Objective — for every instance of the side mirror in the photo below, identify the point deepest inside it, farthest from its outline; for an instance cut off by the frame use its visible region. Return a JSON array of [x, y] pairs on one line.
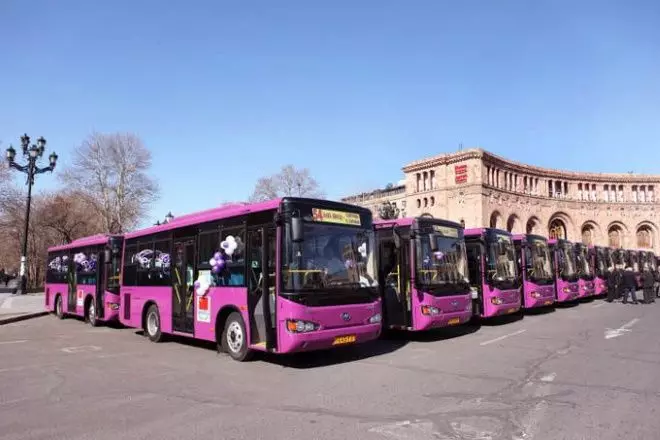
[[397, 237], [107, 256], [433, 241], [296, 229]]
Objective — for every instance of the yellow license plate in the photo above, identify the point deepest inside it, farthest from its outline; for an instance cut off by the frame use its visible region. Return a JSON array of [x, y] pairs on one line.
[[512, 310], [339, 340], [547, 303], [454, 321]]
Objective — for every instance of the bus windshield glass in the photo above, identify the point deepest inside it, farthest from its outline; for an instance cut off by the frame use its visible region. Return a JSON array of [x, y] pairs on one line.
[[444, 262], [540, 267], [584, 266], [501, 258], [568, 266], [329, 257]]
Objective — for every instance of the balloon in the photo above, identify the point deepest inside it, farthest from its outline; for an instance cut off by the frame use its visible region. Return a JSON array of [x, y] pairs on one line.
[[217, 256], [213, 262], [220, 263], [216, 269], [196, 285]]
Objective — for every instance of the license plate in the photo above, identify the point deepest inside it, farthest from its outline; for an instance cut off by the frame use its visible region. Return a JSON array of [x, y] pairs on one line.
[[454, 321], [547, 303], [512, 310], [339, 340]]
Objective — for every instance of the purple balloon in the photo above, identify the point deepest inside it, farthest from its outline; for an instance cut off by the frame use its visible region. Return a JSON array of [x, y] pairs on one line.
[[220, 263], [215, 269], [196, 285], [217, 256]]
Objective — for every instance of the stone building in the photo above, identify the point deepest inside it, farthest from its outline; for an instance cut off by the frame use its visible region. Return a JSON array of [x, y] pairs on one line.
[[478, 188]]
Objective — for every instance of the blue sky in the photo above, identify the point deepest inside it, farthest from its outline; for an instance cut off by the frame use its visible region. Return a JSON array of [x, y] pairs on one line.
[[224, 92]]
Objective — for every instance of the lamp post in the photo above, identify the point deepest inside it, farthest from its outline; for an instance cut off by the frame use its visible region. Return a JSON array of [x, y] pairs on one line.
[[32, 154], [169, 217]]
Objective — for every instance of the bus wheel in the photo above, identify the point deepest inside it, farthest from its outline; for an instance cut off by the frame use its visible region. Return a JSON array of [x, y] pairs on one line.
[[91, 314], [58, 307], [152, 324], [234, 338]]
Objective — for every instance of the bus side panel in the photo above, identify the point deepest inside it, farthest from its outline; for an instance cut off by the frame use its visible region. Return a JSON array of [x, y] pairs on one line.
[[139, 296], [52, 290], [208, 306], [82, 291]]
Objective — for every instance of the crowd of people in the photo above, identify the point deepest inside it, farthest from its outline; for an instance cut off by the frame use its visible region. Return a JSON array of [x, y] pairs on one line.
[[622, 283]]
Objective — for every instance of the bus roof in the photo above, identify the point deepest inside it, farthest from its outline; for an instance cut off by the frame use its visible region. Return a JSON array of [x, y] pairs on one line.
[[81, 242], [208, 215], [479, 231], [408, 221], [520, 237]]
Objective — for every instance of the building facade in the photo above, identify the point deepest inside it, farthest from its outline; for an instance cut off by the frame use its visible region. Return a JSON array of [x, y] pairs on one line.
[[478, 188]]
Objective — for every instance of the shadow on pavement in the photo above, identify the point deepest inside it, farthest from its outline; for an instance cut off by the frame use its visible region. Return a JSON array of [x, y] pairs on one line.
[[539, 311], [500, 320], [439, 334]]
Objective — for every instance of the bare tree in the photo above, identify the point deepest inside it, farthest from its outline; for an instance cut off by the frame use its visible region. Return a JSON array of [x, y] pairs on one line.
[[290, 181], [110, 171]]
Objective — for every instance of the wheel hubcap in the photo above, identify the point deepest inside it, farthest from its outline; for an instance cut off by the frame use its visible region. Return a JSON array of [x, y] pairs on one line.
[[152, 324], [92, 312], [235, 337], [58, 309]]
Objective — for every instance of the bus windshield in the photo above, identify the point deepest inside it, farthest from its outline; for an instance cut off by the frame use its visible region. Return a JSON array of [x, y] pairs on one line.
[[330, 256], [568, 266], [539, 267], [445, 262], [501, 258], [584, 266]]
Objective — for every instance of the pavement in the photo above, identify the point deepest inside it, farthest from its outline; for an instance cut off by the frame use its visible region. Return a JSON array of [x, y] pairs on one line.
[[15, 308], [589, 371]]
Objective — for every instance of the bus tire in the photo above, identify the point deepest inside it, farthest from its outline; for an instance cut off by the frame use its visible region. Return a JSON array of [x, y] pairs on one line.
[[59, 312], [234, 338], [152, 324], [91, 314]]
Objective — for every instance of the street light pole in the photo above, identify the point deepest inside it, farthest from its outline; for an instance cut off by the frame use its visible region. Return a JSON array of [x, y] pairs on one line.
[[32, 153]]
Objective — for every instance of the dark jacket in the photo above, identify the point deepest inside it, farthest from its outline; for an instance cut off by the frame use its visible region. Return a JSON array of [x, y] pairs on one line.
[[612, 279], [647, 279], [629, 281]]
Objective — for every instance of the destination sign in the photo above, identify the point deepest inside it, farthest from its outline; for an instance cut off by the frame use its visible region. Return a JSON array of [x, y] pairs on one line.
[[338, 217], [446, 231]]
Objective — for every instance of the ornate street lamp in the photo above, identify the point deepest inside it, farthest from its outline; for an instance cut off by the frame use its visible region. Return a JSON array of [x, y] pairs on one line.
[[169, 217], [32, 154]]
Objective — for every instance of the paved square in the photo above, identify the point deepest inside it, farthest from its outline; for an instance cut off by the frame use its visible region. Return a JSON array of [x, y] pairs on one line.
[[584, 372]]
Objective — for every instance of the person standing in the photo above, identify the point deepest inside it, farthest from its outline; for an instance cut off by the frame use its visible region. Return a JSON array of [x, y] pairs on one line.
[[611, 284], [618, 276], [629, 285], [648, 283], [657, 282]]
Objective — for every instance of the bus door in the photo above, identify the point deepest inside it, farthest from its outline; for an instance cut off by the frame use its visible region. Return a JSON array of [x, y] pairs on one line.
[[183, 276], [261, 248], [101, 283], [73, 285], [394, 270], [475, 250]]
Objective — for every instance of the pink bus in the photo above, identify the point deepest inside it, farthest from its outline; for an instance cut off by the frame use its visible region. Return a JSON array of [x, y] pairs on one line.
[[493, 271], [601, 261], [82, 279], [565, 268], [585, 269], [423, 273], [535, 265], [281, 276]]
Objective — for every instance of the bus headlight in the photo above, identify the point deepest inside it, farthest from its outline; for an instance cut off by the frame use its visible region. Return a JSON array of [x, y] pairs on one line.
[[430, 310], [375, 319], [535, 295], [113, 306], [566, 290], [297, 326], [496, 300]]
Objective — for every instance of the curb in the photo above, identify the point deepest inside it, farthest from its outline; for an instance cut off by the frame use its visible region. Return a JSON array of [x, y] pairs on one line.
[[23, 317]]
